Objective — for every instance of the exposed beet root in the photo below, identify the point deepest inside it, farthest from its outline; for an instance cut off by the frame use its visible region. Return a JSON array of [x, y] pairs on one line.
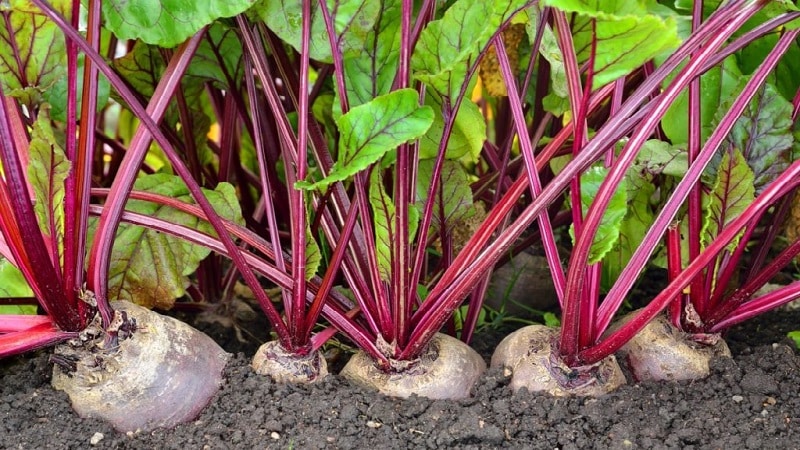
[[449, 369], [284, 367], [527, 356], [163, 374], [662, 352]]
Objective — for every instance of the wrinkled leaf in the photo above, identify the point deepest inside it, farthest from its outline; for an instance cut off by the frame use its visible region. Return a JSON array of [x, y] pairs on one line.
[[28, 38], [48, 167], [731, 194], [448, 47], [627, 35], [454, 199], [609, 230], [352, 19], [150, 268], [371, 130], [166, 23], [466, 138]]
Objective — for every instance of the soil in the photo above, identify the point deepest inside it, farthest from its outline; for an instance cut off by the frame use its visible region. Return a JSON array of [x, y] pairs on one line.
[[750, 401]]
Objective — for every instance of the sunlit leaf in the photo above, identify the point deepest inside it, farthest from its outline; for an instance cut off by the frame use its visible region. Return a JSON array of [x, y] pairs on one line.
[[369, 131], [32, 49], [13, 284], [166, 23], [466, 138], [627, 34], [448, 47], [150, 268]]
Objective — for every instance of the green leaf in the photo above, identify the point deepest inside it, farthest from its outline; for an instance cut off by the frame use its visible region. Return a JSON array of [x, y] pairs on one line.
[[166, 23], [48, 167], [150, 268], [633, 228], [795, 337], [763, 134], [352, 20], [313, 255], [371, 130], [141, 68], [454, 202], [551, 320], [769, 10], [784, 76], [732, 193], [660, 158], [716, 86], [447, 47], [56, 96], [627, 35], [609, 230], [32, 49], [383, 211], [383, 215], [371, 71], [219, 58], [466, 138], [13, 284], [552, 53]]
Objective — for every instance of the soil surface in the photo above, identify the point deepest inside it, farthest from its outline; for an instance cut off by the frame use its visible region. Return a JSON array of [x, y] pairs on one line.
[[750, 401]]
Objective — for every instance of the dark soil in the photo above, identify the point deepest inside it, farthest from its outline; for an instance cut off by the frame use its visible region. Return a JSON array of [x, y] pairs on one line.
[[751, 401]]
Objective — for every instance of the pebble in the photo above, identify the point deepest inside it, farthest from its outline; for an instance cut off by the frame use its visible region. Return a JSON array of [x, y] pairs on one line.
[[275, 435], [96, 438], [737, 398], [373, 424]]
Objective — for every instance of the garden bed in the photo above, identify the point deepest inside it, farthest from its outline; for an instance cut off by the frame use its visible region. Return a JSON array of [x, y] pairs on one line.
[[751, 401]]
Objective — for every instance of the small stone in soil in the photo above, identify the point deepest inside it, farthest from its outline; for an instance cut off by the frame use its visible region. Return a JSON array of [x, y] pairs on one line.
[[96, 438], [275, 435]]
